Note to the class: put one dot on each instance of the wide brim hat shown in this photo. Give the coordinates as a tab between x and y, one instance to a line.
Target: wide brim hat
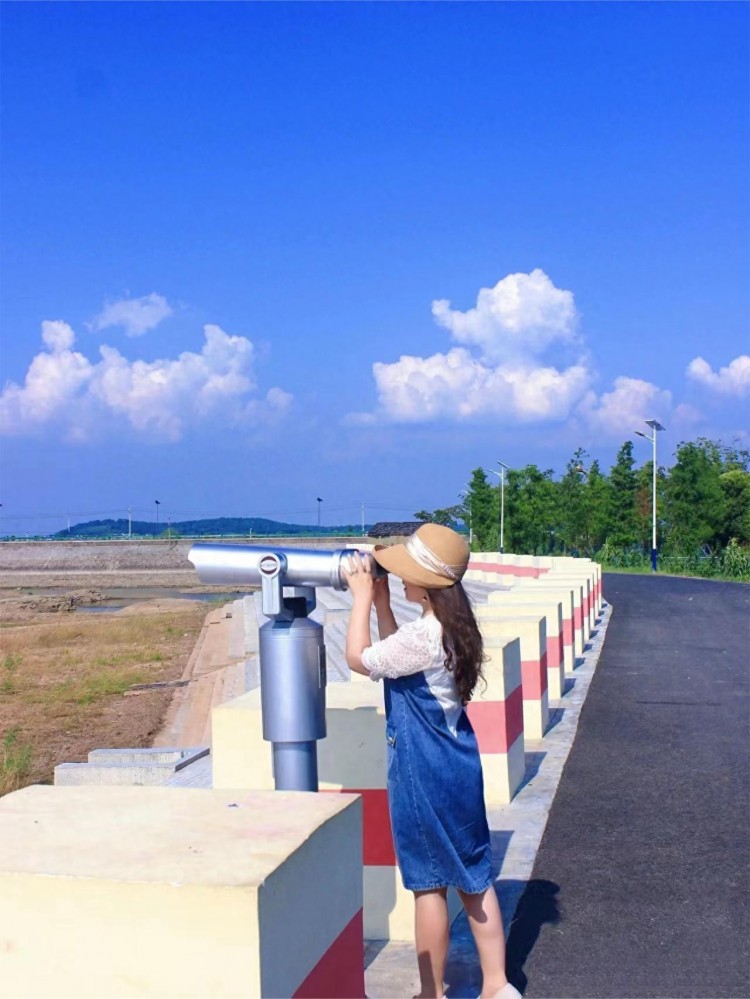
434	557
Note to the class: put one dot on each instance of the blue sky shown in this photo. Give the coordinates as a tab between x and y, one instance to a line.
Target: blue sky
257	253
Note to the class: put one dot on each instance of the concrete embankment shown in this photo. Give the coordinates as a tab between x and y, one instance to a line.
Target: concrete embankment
160	562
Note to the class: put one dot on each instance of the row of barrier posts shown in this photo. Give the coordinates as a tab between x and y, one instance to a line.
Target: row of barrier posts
160	891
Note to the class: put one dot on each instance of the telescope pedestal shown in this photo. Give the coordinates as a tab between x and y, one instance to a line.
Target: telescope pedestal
293	690
295	766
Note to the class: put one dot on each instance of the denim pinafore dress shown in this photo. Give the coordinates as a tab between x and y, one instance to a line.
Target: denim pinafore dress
435	789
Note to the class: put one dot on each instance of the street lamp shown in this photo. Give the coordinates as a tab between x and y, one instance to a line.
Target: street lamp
157	515
655	426
467	494
320	500
501	476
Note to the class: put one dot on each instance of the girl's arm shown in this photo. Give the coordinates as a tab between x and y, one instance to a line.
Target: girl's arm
381	597
360	582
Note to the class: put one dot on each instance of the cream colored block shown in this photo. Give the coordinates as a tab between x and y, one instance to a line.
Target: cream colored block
552	612
240	756
503	773
532	635
389	907
546	584
353	754
530	629
584	581
543	599
131	892
544	561
502	670
535	718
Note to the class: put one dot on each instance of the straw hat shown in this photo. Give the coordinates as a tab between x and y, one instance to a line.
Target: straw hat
434	557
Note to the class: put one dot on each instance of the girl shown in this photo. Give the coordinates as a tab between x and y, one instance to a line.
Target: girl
430	668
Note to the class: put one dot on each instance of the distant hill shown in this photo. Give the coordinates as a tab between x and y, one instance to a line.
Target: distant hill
218	527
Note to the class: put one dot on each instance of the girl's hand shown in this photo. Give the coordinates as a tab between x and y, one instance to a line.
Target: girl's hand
359	577
381	594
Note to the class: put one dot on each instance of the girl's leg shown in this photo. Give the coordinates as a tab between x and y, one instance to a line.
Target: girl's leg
432	936
486	923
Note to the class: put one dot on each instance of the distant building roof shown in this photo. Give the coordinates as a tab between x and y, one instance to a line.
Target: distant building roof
394	529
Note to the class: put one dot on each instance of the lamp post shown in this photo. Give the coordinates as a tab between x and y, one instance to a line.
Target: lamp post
467	495
320	500
157	515
501	476
655	426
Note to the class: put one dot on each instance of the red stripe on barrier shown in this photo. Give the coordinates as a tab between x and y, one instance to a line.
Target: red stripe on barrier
377	836
567	631
497	724
554	651
534	678
577	618
340	973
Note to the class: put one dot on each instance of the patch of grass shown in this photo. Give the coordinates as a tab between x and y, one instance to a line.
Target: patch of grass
66	680
15	760
95	688
8	669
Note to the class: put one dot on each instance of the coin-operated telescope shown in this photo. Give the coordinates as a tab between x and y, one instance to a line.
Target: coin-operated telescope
292	650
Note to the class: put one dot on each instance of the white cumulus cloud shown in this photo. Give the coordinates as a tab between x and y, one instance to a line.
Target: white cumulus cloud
458	386
518	318
506	376
136	315
622	410
66	392
734	379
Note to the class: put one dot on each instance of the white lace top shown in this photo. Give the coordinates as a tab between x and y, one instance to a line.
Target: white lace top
417	647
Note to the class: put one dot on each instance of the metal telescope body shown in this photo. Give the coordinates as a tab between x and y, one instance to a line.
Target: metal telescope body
292	650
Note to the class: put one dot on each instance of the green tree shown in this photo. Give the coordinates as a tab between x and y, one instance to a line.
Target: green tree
596	503
622	522
482	508
735	486
530	510
695	504
572	529
448	516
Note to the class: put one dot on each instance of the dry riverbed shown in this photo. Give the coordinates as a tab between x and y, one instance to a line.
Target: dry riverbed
66	676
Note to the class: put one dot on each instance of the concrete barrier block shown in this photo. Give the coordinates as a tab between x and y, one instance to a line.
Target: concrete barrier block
551	610
574	591
531	630
544	598
587	579
154	892
496	715
352	758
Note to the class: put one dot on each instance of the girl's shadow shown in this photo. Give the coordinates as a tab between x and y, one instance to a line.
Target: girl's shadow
538	905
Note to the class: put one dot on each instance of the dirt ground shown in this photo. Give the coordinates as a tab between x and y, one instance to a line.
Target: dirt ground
67	676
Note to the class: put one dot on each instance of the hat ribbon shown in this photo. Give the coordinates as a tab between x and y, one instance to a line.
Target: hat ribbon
427	558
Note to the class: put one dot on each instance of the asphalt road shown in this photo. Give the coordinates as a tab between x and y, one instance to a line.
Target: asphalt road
641	886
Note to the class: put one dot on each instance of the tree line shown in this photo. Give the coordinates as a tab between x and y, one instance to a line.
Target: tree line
703	510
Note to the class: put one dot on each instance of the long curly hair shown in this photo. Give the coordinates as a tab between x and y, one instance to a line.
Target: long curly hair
462	639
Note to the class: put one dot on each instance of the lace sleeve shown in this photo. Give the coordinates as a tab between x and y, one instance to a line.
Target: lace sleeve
411	649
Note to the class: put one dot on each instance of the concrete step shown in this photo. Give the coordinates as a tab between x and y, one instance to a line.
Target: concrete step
132	767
